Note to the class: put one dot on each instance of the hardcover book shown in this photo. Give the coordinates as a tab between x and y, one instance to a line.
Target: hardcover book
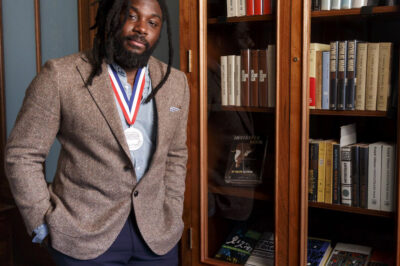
349	254
334	48
314	47
363	175
351	75
362	49
346	184
238	80
262	78
224	80
313	170
231	80
336	175
271	68
254	78
342	76
318	251
325	80
246	160
372	76
374	176
384	75
387	177
245	88
264	251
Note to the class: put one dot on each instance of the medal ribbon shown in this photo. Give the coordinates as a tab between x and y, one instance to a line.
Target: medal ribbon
129	107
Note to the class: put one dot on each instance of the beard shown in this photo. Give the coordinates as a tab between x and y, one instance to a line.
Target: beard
130	60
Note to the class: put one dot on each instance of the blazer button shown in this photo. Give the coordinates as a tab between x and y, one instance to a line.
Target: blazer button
136	193
127	167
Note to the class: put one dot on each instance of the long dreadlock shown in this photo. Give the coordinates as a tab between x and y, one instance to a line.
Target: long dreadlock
109	25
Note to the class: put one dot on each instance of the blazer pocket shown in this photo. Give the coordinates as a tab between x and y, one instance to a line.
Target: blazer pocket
59	220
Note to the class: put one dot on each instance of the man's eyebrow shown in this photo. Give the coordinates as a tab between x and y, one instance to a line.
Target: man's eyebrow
153	15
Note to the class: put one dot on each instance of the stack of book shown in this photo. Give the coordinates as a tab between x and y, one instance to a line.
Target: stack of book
317	5
249	79
350	75
359	175
239	8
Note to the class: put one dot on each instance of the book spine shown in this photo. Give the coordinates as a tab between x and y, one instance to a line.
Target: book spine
351	75
342	76
346	4
358	3
321	171
325	80
362	49
245	55
336	175
334	48
313	172
318	80
254	78
316	5
249	7
312	75
374	176
231	80
262	78
271	68
372	76
364	176
267	7
258	7
325	4
224	80
384	75
238	80
336	4
241	8
230	8
328	172
355	176
345	166
387	173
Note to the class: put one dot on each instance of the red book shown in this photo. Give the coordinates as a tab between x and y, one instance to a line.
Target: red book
249	7
267	7
258	7
312	93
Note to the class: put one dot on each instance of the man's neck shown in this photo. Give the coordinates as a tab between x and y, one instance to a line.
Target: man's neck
130	75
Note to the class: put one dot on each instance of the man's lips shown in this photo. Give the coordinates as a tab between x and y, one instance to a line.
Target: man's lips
137	41
136	44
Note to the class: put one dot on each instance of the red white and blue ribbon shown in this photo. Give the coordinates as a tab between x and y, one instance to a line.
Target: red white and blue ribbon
129	107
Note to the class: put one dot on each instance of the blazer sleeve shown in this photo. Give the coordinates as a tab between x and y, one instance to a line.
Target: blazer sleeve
33	134
175	173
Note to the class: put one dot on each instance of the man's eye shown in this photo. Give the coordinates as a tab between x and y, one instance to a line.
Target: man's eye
153	24
133	16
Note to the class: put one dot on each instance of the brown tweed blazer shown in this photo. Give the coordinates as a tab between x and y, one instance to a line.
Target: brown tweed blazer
95	186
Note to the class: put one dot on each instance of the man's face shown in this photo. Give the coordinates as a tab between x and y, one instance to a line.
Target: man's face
142	28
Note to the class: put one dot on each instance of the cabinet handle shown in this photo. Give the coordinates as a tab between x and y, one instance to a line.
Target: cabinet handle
189	61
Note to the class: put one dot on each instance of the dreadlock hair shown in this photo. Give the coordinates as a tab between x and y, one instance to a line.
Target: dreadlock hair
109	26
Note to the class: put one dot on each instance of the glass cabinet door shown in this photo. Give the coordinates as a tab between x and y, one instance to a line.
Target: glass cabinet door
238	133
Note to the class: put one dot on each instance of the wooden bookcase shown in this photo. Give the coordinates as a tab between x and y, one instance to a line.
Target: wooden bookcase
283	198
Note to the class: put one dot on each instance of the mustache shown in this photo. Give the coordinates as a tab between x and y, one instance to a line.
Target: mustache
137	38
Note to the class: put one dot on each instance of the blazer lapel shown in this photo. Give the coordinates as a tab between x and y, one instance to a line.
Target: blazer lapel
103	96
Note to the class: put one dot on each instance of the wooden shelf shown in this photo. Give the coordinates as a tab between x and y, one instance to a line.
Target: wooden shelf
248	109
356	11
343	208
241	192
212	261
349	113
223	20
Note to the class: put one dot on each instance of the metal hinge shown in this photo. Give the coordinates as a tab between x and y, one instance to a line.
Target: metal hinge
189	53
190	238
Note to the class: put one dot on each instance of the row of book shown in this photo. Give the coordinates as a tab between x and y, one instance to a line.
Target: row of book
239	8
317	5
320	252
350	75
249	79
359	175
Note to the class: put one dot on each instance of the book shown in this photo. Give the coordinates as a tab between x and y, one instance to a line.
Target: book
314	47
224	80
238	245
321	170
387	177
351	74
325	80
313	170
249	7
325	4
336	175
246	160
358	3
349	254
318	80
364	153
231	80
258	7
241	8
355	175
384	75
374	176
245	86
238	80
316	5
372	76
264	251
267	7
329	171
262	78
318	251
333	79
346	4
231	8
362	49
271	69
342	76
254	78
346	182
336	4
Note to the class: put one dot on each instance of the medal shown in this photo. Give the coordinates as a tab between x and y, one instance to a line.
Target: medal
134	138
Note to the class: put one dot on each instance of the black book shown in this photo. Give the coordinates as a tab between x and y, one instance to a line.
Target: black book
313	170
364	175
351	74
333	75
342	76
336	175
355	176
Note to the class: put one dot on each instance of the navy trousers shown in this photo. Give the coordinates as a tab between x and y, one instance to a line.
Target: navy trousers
128	249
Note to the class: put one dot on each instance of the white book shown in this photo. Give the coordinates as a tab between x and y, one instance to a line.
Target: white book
374	175
387	174
238	80
345	173
231	8
325	4
231	80
336	4
341	251
362	53
224	80
358	3
346	4
241	8
271	70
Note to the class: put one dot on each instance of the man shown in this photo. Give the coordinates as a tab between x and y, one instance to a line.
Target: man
120	116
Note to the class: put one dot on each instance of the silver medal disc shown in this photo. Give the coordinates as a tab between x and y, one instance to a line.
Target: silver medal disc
134	138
